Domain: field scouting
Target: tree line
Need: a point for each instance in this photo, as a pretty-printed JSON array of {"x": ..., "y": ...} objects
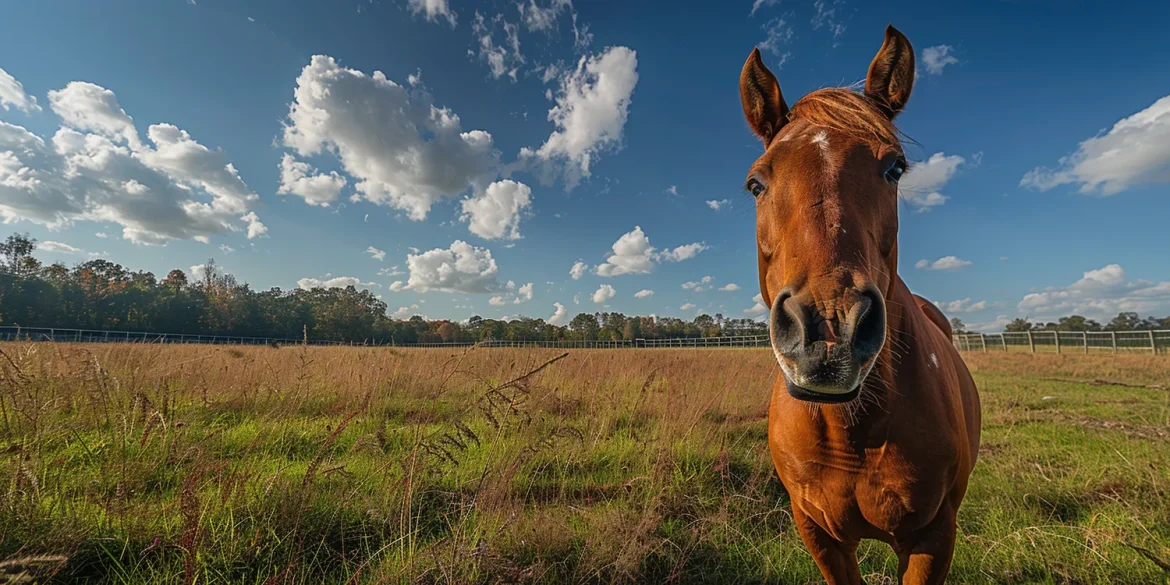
[
  {"x": 99, "y": 294},
  {"x": 1124, "y": 321}
]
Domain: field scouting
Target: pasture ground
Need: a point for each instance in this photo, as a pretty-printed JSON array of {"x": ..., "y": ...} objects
[{"x": 202, "y": 464}]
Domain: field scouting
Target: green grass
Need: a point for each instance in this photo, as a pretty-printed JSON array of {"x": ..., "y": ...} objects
[{"x": 140, "y": 464}]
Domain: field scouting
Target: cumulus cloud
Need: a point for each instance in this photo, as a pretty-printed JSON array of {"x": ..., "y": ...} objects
[
  {"x": 59, "y": 247},
  {"x": 697, "y": 286},
  {"x": 592, "y": 104},
  {"x": 299, "y": 178},
  {"x": 401, "y": 149},
  {"x": 97, "y": 168},
  {"x": 759, "y": 309},
  {"x": 462, "y": 268},
  {"x": 1100, "y": 293},
  {"x": 687, "y": 307},
  {"x": 961, "y": 306},
  {"x": 729, "y": 287},
  {"x": 403, "y": 313},
  {"x": 632, "y": 254},
  {"x": 604, "y": 293},
  {"x": 684, "y": 252},
  {"x": 376, "y": 254},
  {"x": 718, "y": 204},
  {"x": 336, "y": 282},
  {"x": 944, "y": 263},
  {"x": 936, "y": 58},
  {"x": 198, "y": 271},
  {"x": 12, "y": 95},
  {"x": 495, "y": 213},
  {"x": 433, "y": 10},
  {"x": 523, "y": 294},
  {"x": 922, "y": 183},
  {"x": 644, "y": 294},
  {"x": 672, "y": 190},
  {"x": 497, "y": 301},
  {"x": 560, "y": 315},
  {"x": 993, "y": 326},
  {"x": 1134, "y": 152},
  {"x": 578, "y": 270}
]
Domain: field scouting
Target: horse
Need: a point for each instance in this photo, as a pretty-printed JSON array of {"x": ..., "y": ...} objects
[{"x": 874, "y": 420}]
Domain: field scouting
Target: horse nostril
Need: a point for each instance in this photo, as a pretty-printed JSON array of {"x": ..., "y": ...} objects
[
  {"x": 869, "y": 323},
  {"x": 785, "y": 328}
]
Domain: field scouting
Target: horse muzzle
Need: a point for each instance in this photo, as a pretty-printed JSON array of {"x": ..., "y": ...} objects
[{"x": 825, "y": 360}]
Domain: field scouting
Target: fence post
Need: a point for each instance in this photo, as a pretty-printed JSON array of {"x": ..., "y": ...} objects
[
  {"x": 1031, "y": 344},
  {"x": 1113, "y": 334},
  {"x": 1056, "y": 334},
  {"x": 1153, "y": 346},
  {"x": 1085, "y": 338}
]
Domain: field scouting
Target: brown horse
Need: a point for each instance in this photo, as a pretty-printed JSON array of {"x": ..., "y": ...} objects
[{"x": 874, "y": 421}]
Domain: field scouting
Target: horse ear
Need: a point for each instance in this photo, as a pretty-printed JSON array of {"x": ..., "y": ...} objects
[
  {"x": 763, "y": 104},
  {"x": 891, "y": 75}
]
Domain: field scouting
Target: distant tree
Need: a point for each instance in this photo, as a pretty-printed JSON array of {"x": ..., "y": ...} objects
[
  {"x": 585, "y": 326},
  {"x": 175, "y": 280},
  {"x": 957, "y": 325},
  {"x": 15, "y": 251},
  {"x": 1018, "y": 325},
  {"x": 1126, "y": 321}
]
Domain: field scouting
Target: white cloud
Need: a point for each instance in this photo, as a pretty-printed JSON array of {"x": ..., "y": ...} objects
[
  {"x": 922, "y": 183},
  {"x": 936, "y": 58},
  {"x": 961, "y": 306},
  {"x": 827, "y": 16},
  {"x": 523, "y": 294},
  {"x": 995, "y": 326},
  {"x": 761, "y": 3},
  {"x": 757, "y": 310},
  {"x": 97, "y": 168},
  {"x": 226, "y": 249},
  {"x": 578, "y": 270},
  {"x": 1134, "y": 152},
  {"x": 592, "y": 105},
  {"x": 687, "y": 307},
  {"x": 644, "y": 294},
  {"x": 102, "y": 235},
  {"x": 462, "y": 268},
  {"x": 405, "y": 312},
  {"x": 495, "y": 213},
  {"x": 299, "y": 178},
  {"x": 12, "y": 95},
  {"x": 672, "y": 190},
  {"x": 718, "y": 204},
  {"x": 198, "y": 271},
  {"x": 779, "y": 36},
  {"x": 632, "y": 254},
  {"x": 560, "y": 316},
  {"x": 1101, "y": 294},
  {"x": 59, "y": 247},
  {"x": 729, "y": 287},
  {"x": 604, "y": 293},
  {"x": 684, "y": 252},
  {"x": 376, "y": 254},
  {"x": 397, "y": 286},
  {"x": 497, "y": 301},
  {"x": 391, "y": 271},
  {"x": 256, "y": 229},
  {"x": 336, "y": 282},
  {"x": 697, "y": 285},
  {"x": 403, "y": 151},
  {"x": 944, "y": 263},
  {"x": 433, "y": 10},
  {"x": 502, "y": 59}
]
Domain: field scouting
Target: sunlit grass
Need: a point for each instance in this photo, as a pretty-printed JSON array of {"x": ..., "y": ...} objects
[{"x": 168, "y": 464}]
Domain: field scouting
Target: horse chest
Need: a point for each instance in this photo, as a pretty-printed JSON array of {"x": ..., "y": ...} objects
[{"x": 859, "y": 497}]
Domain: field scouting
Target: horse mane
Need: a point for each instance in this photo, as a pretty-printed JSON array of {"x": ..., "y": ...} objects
[{"x": 848, "y": 111}]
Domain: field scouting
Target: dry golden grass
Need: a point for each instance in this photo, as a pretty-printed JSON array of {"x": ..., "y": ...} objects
[{"x": 182, "y": 464}]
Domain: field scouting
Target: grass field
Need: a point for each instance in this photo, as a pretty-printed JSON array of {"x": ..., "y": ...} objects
[{"x": 182, "y": 464}]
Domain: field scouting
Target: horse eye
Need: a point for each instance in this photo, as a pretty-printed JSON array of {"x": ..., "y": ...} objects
[
  {"x": 895, "y": 171},
  {"x": 755, "y": 187}
]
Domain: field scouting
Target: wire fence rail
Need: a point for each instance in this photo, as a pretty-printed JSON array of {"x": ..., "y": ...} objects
[
  {"x": 1152, "y": 342},
  {"x": 62, "y": 335}
]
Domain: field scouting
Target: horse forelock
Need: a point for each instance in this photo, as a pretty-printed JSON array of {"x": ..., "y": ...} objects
[{"x": 847, "y": 111}]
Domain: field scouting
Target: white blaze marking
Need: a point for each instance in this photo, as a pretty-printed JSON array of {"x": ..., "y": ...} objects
[{"x": 821, "y": 139}]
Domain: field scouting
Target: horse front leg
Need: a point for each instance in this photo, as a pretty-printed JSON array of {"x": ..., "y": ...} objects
[
  {"x": 925, "y": 557},
  {"x": 837, "y": 560}
]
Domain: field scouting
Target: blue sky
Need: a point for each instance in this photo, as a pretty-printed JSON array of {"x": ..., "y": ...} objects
[{"x": 504, "y": 142}]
